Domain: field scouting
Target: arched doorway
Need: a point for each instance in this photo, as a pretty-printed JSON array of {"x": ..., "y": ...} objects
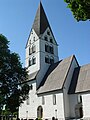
[
  {"x": 79, "y": 110},
  {"x": 39, "y": 112}
]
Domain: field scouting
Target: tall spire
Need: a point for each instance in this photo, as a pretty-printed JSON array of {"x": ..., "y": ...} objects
[{"x": 41, "y": 22}]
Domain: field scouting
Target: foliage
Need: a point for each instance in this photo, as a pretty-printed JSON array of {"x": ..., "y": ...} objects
[
  {"x": 80, "y": 9},
  {"x": 12, "y": 75}
]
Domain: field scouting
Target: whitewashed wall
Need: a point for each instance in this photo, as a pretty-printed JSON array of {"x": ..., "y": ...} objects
[
  {"x": 48, "y": 108},
  {"x": 34, "y": 102},
  {"x": 36, "y": 66},
  {"x": 86, "y": 105}
]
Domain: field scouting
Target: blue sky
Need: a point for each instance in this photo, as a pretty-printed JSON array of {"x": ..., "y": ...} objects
[{"x": 16, "y": 19}]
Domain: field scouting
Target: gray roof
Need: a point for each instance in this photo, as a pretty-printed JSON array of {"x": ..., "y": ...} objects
[
  {"x": 55, "y": 76},
  {"x": 83, "y": 82},
  {"x": 41, "y": 22},
  {"x": 80, "y": 80}
]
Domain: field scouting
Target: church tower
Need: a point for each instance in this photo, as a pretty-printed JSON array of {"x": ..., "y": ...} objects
[{"x": 41, "y": 47}]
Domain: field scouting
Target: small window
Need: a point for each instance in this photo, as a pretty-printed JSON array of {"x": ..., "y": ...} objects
[
  {"x": 33, "y": 38},
  {"x": 31, "y": 32},
  {"x": 47, "y": 59},
  {"x": 33, "y": 49},
  {"x": 51, "y": 60},
  {"x": 51, "y": 40},
  {"x": 54, "y": 99},
  {"x": 51, "y": 50},
  {"x": 33, "y": 60},
  {"x": 80, "y": 99},
  {"x": 30, "y": 62},
  {"x": 43, "y": 100},
  {"x": 27, "y": 101},
  {"x": 48, "y": 32},
  {"x": 30, "y": 51},
  {"x": 46, "y": 48},
  {"x": 29, "y": 41},
  {"x": 46, "y": 38}
]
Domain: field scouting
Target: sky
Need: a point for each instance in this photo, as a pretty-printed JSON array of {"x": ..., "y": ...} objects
[{"x": 16, "y": 19}]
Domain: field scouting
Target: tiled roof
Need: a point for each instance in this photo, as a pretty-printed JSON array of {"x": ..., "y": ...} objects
[{"x": 55, "y": 76}]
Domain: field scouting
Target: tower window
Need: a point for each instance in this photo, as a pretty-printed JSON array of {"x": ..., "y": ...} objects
[
  {"x": 33, "y": 60},
  {"x": 33, "y": 38},
  {"x": 29, "y": 41},
  {"x": 51, "y": 40},
  {"x": 30, "y": 51},
  {"x": 54, "y": 99},
  {"x": 46, "y": 38},
  {"x": 48, "y": 32},
  {"x": 51, "y": 60},
  {"x": 46, "y": 47},
  {"x": 51, "y": 50},
  {"x": 33, "y": 49},
  {"x": 47, "y": 59},
  {"x": 30, "y": 62}
]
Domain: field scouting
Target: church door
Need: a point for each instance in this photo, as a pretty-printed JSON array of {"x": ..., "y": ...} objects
[{"x": 39, "y": 112}]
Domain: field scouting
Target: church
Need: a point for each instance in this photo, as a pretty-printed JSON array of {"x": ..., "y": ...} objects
[{"x": 59, "y": 89}]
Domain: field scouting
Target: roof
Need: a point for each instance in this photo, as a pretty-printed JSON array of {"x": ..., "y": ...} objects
[
  {"x": 41, "y": 22},
  {"x": 80, "y": 80},
  {"x": 83, "y": 81},
  {"x": 55, "y": 76}
]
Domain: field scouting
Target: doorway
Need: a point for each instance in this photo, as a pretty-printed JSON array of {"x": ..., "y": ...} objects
[{"x": 39, "y": 112}]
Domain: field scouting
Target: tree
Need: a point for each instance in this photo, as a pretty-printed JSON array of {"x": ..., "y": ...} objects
[
  {"x": 80, "y": 9},
  {"x": 12, "y": 75}
]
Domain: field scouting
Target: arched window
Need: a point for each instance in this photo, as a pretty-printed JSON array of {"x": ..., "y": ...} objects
[
  {"x": 30, "y": 62},
  {"x": 51, "y": 60},
  {"x": 51, "y": 40},
  {"x": 43, "y": 100},
  {"x": 46, "y": 47},
  {"x": 39, "y": 112},
  {"x": 46, "y": 38},
  {"x": 54, "y": 99},
  {"x": 30, "y": 50},
  {"x": 33, "y": 49},
  {"x": 29, "y": 41},
  {"x": 47, "y": 59},
  {"x": 33, "y": 60},
  {"x": 27, "y": 101},
  {"x": 33, "y": 39},
  {"x": 48, "y": 32},
  {"x": 51, "y": 49}
]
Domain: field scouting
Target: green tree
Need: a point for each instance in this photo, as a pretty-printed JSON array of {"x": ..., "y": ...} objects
[
  {"x": 12, "y": 75},
  {"x": 80, "y": 9}
]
